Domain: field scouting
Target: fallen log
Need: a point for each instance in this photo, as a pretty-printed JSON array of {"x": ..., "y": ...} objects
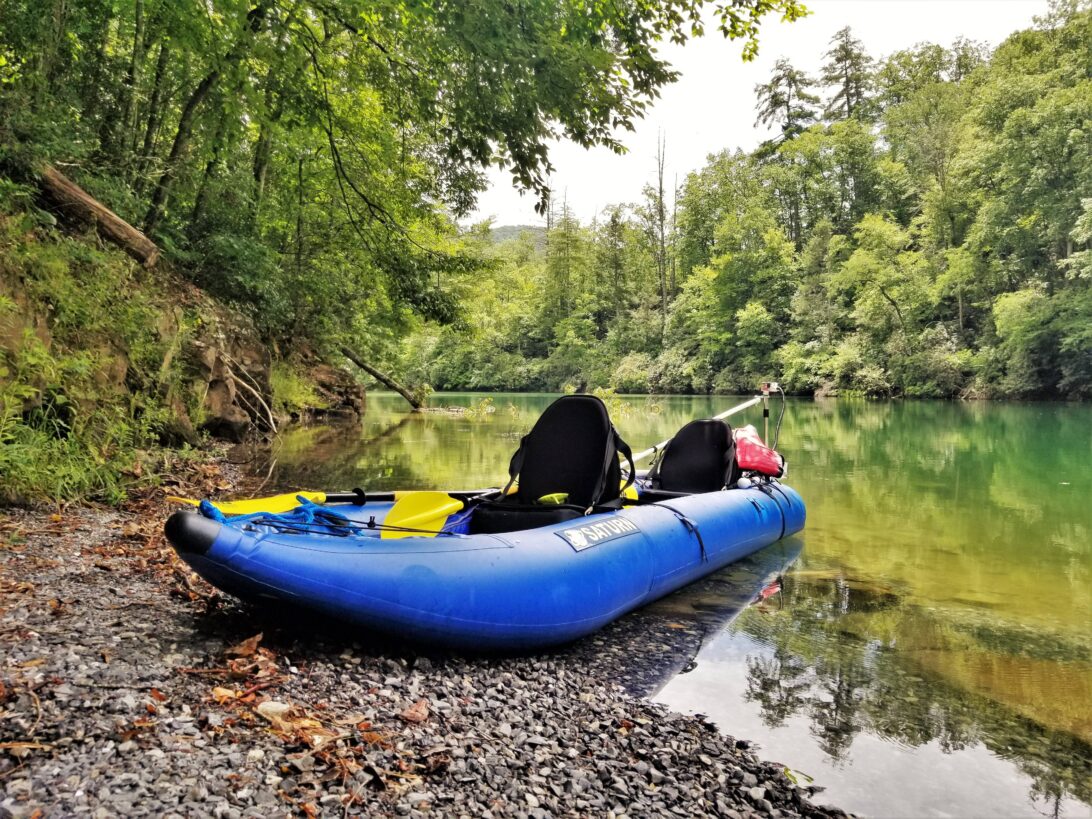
[
  {"x": 77, "y": 203},
  {"x": 383, "y": 379}
]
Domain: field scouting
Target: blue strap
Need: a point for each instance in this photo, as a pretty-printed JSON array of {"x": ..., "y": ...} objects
[
  {"x": 691, "y": 526},
  {"x": 306, "y": 513}
]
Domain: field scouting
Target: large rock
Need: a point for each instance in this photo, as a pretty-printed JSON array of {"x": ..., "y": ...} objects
[
  {"x": 230, "y": 375},
  {"x": 225, "y": 418},
  {"x": 342, "y": 395}
]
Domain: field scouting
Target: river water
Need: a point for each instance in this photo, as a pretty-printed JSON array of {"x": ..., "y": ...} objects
[{"x": 927, "y": 652}]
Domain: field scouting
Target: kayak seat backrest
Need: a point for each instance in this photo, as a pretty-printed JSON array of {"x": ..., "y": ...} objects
[
  {"x": 700, "y": 458},
  {"x": 571, "y": 451}
]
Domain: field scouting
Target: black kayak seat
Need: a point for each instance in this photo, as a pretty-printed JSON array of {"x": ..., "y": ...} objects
[
  {"x": 700, "y": 458},
  {"x": 572, "y": 450}
]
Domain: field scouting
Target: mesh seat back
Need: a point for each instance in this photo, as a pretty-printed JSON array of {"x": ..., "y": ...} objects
[
  {"x": 566, "y": 451},
  {"x": 700, "y": 458}
]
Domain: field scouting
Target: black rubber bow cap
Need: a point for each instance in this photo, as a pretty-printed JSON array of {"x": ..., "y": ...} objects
[{"x": 191, "y": 533}]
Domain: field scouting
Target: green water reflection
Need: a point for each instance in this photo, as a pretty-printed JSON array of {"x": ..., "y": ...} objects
[{"x": 943, "y": 599}]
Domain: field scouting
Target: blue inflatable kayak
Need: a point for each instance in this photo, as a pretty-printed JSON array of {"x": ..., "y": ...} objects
[{"x": 508, "y": 590}]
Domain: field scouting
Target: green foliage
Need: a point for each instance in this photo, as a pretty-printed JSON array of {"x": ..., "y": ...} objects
[
  {"x": 81, "y": 400},
  {"x": 292, "y": 391},
  {"x": 306, "y": 161},
  {"x": 929, "y": 239},
  {"x": 928, "y": 234},
  {"x": 785, "y": 100},
  {"x": 1025, "y": 329},
  {"x": 848, "y": 72},
  {"x": 57, "y": 441},
  {"x": 633, "y": 374},
  {"x": 617, "y": 407}
]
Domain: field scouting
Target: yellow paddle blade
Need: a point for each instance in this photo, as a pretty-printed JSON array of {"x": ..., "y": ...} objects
[
  {"x": 425, "y": 512},
  {"x": 274, "y": 503}
]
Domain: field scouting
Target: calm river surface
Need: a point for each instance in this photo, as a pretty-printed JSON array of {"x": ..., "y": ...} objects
[{"x": 930, "y": 650}]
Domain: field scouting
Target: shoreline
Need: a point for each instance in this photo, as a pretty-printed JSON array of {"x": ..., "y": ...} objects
[{"x": 129, "y": 686}]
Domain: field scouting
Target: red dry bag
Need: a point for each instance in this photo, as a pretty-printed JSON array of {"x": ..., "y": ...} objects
[{"x": 754, "y": 456}]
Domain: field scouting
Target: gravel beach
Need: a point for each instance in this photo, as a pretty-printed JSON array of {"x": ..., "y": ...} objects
[{"x": 130, "y": 688}]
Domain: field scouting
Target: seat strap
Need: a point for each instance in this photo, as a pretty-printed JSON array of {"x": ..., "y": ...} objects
[
  {"x": 615, "y": 444},
  {"x": 601, "y": 482},
  {"x": 624, "y": 448},
  {"x": 730, "y": 458},
  {"x": 654, "y": 470},
  {"x": 515, "y": 465}
]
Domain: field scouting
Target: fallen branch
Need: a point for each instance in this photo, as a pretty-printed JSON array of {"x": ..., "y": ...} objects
[
  {"x": 77, "y": 203},
  {"x": 383, "y": 379}
]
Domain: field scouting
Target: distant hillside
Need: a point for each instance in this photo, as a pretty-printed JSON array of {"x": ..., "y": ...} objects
[{"x": 505, "y": 232}]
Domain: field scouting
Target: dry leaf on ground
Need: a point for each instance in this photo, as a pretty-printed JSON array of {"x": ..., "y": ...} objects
[
  {"x": 246, "y": 648},
  {"x": 418, "y": 712}
]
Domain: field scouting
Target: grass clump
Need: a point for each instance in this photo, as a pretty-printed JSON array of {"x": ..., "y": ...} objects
[
  {"x": 293, "y": 391},
  {"x": 56, "y": 441}
]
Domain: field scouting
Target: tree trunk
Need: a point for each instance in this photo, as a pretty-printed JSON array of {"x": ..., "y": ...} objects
[
  {"x": 76, "y": 202},
  {"x": 47, "y": 58},
  {"x": 181, "y": 142},
  {"x": 385, "y": 380},
  {"x": 262, "y": 153},
  {"x": 185, "y": 122},
  {"x": 299, "y": 217},
  {"x": 154, "y": 115},
  {"x": 848, "y": 93},
  {"x": 898, "y": 313},
  {"x": 201, "y": 199},
  {"x": 661, "y": 237},
  {"x": 674, "y": 289},
  {"x": 115, "y": 131},
  {"x": 132, "y": 81},
  {"x": 263, "y": 149}
]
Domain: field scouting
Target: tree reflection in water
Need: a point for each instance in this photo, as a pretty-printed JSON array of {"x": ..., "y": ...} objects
[{"x": 843, "y": 656}]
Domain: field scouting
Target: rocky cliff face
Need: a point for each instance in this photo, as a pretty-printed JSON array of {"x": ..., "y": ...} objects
[
  {"x": 341, "y": 397},
  {"x": 228, "y": 373}
]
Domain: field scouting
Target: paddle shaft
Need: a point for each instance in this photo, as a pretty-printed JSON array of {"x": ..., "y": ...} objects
[
  {"x": 640, "y": 456},
  {"x": 370, "y": 497}
]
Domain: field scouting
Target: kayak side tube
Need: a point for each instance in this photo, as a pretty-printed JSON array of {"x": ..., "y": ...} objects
[{"x": 513, "y": 591}]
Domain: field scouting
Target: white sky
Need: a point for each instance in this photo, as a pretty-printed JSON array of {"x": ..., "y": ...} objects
[{"x": 712, "y": 106}]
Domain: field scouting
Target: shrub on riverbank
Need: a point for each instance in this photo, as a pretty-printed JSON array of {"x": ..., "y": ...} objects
[{"x": 103, "y": 364}]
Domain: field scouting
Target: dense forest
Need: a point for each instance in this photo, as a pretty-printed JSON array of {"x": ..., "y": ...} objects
[
  {"x": 307, "y": 159},
  {"x": 301, "y": 162},
  {"x": 920, "y": 226}
]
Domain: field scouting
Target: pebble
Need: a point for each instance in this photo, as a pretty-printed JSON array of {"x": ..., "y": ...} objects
[{"x": 563, "y": 733}]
